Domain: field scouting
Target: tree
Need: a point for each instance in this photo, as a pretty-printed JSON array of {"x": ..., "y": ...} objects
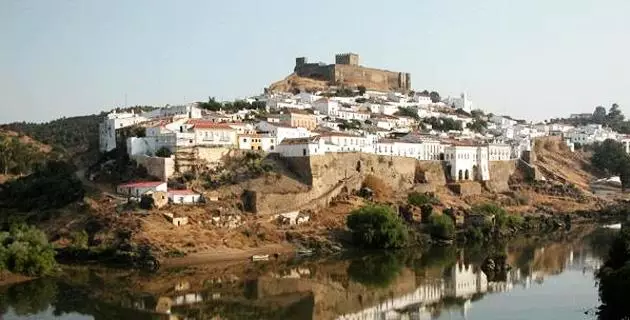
[
  {"x": 163, "y": 152},
  {"x": 376, "y": 226},
  {"x": 410, "y": 112},
  {"x": 599, "y": 115},
  {"x": 614, "y": 117},
  {"x": 441, "y": 227},
  {"x": 25, "y": 249},
  {"x": 610, "y": 156},
  {"x": 435, "y": 97},
  {"x": 361, "y": 89},
  {"x": 614, "y": 278}
]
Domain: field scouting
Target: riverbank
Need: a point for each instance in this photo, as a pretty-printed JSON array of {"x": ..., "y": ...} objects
[
  {"x": 229, "y": 254},
  {"x": 9, "y": 278}
]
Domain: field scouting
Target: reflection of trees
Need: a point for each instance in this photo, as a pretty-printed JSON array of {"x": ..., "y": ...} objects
[
  {"x": 375, "y": 271},
  {"x": 31, "y": 297},
  {"x": 614, "y": 279}
]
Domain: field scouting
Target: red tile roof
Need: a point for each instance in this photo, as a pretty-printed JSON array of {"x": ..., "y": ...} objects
[
  {"x": 205, "y": 124},
  {"x": 182, "y": 192},
  {"x": 141, "y": 184}
]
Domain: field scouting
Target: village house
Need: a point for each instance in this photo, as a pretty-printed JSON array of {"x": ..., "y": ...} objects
[
  {"x": 461, "y": 102},
  {"x": 259, "y": 142},
  {"x": 282, "y": 130},
  {"x": 350, "y": 114},
  {"x": 421, "y": 150},
  {"x": 299, "y": 119},
  {"x": 301, "y": 147},
  {"x": 326, "y": 106},
  {"x": 137, "y": 189},
  {"x": 503, "y": 121},
  {"x": 346, "y": 142},
  {"x": 183, "y": 197},
  {"x": 208, "y": 133},
  {"x": 499, "y": 152},
  {"x": 589, "y": 134},
  {"x": 113, "y": 122},
  {"x": 467, "y": 161}
]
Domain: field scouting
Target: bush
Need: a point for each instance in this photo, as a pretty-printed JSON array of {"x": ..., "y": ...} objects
[
  {"x": 80, "y": 239},
  {"x": 26, "y": 250},
  {"x": 426, "y": 210},
  {"x": 501, "y": 218},
  {"x": 163, "y": 152},
  {"x": 376, "y": 226},
  {"x": 442, "y": 227},
  {"x": 419, "y": 199}
]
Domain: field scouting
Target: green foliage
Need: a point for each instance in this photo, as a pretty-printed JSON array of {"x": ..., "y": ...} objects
[
  {"x": 410, "y": 112},
  {"x": 614, "y": 279},
  {"x": 17, "y": 157},
  {"x": 72, "y": 135},
  {"x": 488, "y": 209},
  {"x": 426, "y": 210},
  {"x": 375, "y": 226},
  {"x": 441, "y": 227},
  {"x": 611, "y": 157},
  {"x": 478, "y": 125},
  {"x": 80, "y": 239},
  {"x": 375, "y": 271},
  {"x": 361, "y": 89},
  {"x": 418, "y": 199},
  {"x": 163, "y": 152},
  {"x": 435, "y": 97},
  {"x": 350, "y": 124},
  {"x": 52, "y": 186},
  {"x": 599, "y": 115},
  {"x": 25, "y": 249},
  {"x": 502, "y": 219},
  {"x": 443, "y": 124}
]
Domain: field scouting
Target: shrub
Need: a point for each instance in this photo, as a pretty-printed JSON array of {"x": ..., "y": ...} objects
[
  {"x": 376, "y": 226},
  {"x": 426, "y": 210},
  {"x": 418, "y": 199},
  {"x": 501, "y": 218},
  {"x": 26, "y": 250},
  {"x": 163, "y": 152},
  {"x": 80, "y": 239},
  {"x": 442, "y": 227}
]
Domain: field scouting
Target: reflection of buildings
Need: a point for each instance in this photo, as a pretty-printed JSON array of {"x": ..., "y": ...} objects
[{"x": 465, "y": 281}]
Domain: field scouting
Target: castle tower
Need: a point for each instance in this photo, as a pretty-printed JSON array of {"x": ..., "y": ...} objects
[{"x": 347, "y": 58}]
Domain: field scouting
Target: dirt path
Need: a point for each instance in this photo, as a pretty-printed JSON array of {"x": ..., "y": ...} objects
[{"x": 227, "y": 254}]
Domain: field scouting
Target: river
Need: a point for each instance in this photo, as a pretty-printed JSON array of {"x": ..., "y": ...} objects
[{"x": 548, "y": 279}]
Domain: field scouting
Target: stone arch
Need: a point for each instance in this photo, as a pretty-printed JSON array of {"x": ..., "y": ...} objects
[
  {"x": 460, "y": 175},
  {"x": 466, "y": 175}
]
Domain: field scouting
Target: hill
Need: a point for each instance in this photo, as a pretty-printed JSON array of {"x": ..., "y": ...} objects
[{"x": 294, "y": 82}]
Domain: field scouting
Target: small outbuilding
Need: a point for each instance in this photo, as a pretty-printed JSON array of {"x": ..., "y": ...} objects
[
  {"x": 137, "y": 189},
  {"x": 183, "y": 197}
]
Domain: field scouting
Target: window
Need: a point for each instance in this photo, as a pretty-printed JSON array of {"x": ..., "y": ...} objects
[{"x": 244, "y": 140}]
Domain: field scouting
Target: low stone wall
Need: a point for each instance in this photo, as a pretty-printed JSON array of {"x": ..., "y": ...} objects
[
  {"x": 161, "y": 168},
  {"x": 431, "y": 172},
  {"x": 467, "y": 188}
]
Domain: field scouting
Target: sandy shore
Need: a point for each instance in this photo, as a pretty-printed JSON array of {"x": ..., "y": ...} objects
[
  {"x": 227, "y": 254},
  {"x": 8, "y": 278}
]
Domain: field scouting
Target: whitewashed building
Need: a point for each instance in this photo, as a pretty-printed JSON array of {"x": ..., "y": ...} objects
[
  {"x": 282, "y": 131},
  {"x": 301, "y": 147},
  {"x": 261, "y": 142},
  {"x": 461, "y": 102},
  {"x": 113, "y": 122},
  {"x": 499, "y": 152},
  {"x": 183, "y": 197},
  {"x": 137, "y": 189},
  {"x": 467, "y": 161},
  {"x": 327, "y": 106}
]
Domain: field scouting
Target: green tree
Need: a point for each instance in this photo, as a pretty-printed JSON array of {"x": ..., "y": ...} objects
[
  {"x": 442, "y": 227},
  {"x": 410, "y": 112},
  {"x": 376, "y": 226},
  {"x": 599, "y": 115},
  {"x": 163, "y": 152},
  {"x": 435, "y": 97},
  {"x": 361, "y": 89},
  {"x": 375, "y": 271},
  {"x": 610, "y": 156},
  {"x": 614, "y": 117},
  {"x": 418, "y": 199},
  {"x": 614, "y": 279},
  {"x": 25, "y": 249}
]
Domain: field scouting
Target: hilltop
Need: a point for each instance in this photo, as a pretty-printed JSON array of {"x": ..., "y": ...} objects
[{"x": 293, "y": 82}]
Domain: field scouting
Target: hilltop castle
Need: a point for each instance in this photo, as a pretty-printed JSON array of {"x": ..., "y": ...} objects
[{"x": 347, "y": 71}]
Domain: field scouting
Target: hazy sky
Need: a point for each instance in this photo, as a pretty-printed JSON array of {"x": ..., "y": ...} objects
[{"x": 533, "y": 59}]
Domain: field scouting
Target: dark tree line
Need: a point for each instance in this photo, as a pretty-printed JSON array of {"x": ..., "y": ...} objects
[
  {"x": 236, "y": 105},
  {"x": 443, "y": 124},
  {"x": 614, "y": 279},
  {"x": 611, "y": 157}
]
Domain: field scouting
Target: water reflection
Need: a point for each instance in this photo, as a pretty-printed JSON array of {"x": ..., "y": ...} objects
[{"x": 394, "y": 285}]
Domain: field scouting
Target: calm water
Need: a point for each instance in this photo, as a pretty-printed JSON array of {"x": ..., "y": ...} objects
[{"x": 549, "y": 279}]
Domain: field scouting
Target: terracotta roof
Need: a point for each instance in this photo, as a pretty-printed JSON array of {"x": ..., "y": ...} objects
[
  {"x": 182, "y": 192},
  {"x": 205, "y": 124},
  {"x": 339, "y": 134},
  {"x": 292, "y": 141},
  {"x": 141, "y": 184}
]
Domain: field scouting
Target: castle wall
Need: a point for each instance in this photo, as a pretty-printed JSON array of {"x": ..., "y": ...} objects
[
  {"x": 372, "y": 79},
  {"x": 161, "y": 168}
]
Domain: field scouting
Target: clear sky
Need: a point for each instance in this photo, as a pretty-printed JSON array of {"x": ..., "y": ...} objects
[{"x": 533, "y": 59}]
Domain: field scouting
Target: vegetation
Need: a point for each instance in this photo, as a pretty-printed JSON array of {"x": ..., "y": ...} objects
[
  {"x": 375, "y": 271},
  {"x": 18, "y": 157},
  {"x": 410, "y": 112},
  {"x": 25, "y": 249},
  {"x": 614, "y": 279},
  {"x": 376, "y": 226},
  {"x": 435, "y": 97},
  {"x": 52, "y": 186},
  {"x": 443, "y": 124},
  {"x": 502, "y": 219},
  {"x": 236, "y": 105},
  {"x": 442, "y": 227},
  {"x": 69, "y": 135},
  {"x": 163, "y": 152},
  {"x": 611, "y": 157},
  {"x": 350, "y": 124},
  {"x": 418, "y": 199}
]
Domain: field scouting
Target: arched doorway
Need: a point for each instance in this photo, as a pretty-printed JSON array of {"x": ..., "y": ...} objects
[
  {"x": 475, "y": 172},
  {"x": 460, "y": 175},
  {"x": 466, "y": 175}
]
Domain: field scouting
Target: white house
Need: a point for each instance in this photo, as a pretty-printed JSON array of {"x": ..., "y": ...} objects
[
  {"x": 301, "y": 147},
  {"x": 326, "y": 106},
  {"x": 282, "y": 130},
  {"x": 189, "y": 111},
  {"x": 347, "y": 142},
  {"x": 113, "y": 122},
  {"x": 349, "y": 114},
  {"x": 264, "y": 142},
  {"x": 503, "y": 121},
  {"x": 589, "y": 134},
  {"x": 467, "y": 161},
  {"x": 210, "y": 133},
  {"x": 136, "y": 189},
  {"x": 497, "y": 152},
  {"x": 183, "y": 197}
]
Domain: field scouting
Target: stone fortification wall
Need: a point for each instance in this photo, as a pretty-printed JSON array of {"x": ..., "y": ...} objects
[
  {"x": 375, "y": 79},
  {"x": 431, "y": 172},
  {"x": 500, "y": 172},
  {"x": 161, "y": 168}
]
